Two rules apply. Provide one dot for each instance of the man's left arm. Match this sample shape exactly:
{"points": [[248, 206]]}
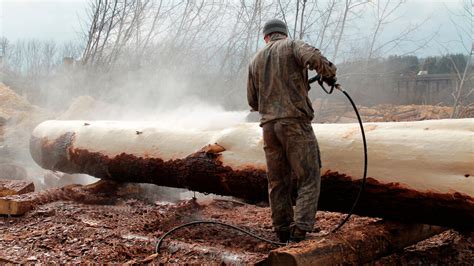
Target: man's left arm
{"points": [[252, 94]]}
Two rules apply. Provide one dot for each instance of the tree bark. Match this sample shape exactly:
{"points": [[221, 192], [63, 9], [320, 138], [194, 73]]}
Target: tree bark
{"points": [[418, 171]]}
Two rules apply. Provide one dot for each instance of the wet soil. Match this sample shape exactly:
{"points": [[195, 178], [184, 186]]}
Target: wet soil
{"points": [[66, 231]]}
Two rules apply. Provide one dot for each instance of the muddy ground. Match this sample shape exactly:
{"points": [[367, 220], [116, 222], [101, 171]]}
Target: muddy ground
{"points": [[126, 230]]}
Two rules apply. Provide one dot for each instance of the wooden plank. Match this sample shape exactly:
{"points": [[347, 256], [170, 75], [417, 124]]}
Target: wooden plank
{"points": [[15, 187], [103, 190], [15, 196], [16, 204]]}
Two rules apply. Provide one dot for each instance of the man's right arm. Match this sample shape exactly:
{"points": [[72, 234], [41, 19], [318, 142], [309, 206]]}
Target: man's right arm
{"points": [[252, 94], [308, 56]]}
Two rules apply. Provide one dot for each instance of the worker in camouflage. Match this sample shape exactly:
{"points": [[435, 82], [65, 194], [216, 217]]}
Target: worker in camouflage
{"points": [[278, 89]]}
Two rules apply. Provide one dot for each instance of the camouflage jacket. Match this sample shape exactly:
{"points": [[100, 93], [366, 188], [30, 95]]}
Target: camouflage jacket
{"points": [[277, 84]]}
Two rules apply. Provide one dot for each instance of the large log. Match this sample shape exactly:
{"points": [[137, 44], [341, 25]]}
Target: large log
{"points": [[418, 171]]}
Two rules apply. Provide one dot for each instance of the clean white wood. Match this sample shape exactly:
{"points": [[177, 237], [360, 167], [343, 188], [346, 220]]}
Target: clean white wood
{"points": [[431, 155]]}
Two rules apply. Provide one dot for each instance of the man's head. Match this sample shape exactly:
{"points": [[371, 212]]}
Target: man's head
{"points": [[274, 26]]}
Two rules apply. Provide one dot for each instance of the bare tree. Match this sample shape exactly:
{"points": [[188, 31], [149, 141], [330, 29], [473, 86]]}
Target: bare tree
{"points": [[462, 22], [297, 13], [348, 7], [383, 13], [462, 77], [4, 44]]}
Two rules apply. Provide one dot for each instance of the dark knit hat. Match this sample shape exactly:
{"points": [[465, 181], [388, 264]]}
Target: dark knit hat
{"points": [[275, 25]]}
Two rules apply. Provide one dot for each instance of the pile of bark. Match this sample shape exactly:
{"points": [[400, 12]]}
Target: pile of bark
{"points": [[105, 223], [341, 112], [18, 117]]}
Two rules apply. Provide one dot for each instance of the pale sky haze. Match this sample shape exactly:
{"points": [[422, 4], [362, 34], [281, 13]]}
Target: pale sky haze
{"points": [[60, 20]]}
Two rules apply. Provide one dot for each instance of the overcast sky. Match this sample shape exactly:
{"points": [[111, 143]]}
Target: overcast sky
{"points": [[40, 19], [60, 20]]}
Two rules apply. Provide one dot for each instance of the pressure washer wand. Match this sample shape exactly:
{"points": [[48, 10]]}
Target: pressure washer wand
{"points": [[319, 79]]}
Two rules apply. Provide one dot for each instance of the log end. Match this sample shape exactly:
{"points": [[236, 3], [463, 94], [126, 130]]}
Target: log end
{"points": [[52, 154], [281, 258]]}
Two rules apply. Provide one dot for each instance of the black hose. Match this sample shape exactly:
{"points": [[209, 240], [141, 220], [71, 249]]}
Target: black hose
{"points": [[319, 79], [364, 177], [160, 241]]}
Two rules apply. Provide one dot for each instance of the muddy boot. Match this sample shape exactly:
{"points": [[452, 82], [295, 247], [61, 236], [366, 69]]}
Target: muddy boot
{"points": [[283, 236], [297, 234]]}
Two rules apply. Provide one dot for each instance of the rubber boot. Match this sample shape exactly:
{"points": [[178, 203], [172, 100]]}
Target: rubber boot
{"points": [[283, 236], [297, 235]]}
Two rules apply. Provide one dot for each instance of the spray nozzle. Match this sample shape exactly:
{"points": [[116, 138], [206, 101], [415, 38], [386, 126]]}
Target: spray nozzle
{"points": [[329, 81]]}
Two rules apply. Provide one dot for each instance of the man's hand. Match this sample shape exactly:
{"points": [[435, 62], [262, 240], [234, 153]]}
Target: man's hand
{"points": [[330, 81], [320, 79]]}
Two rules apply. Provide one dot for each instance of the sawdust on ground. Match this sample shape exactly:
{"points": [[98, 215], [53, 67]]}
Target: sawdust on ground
{"points": [[127, 230]]}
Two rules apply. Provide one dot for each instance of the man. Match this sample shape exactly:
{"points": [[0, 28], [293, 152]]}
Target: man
{"points": [[278, 89]]}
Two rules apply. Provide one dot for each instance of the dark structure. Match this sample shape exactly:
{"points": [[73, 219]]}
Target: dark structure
{"points": [[428, 89]]}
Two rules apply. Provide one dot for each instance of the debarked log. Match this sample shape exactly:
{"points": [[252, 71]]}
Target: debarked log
{"points": [[418, 171]]}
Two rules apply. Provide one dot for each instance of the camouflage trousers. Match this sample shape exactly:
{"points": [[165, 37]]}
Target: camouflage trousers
{"points": [[291, 149]]}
